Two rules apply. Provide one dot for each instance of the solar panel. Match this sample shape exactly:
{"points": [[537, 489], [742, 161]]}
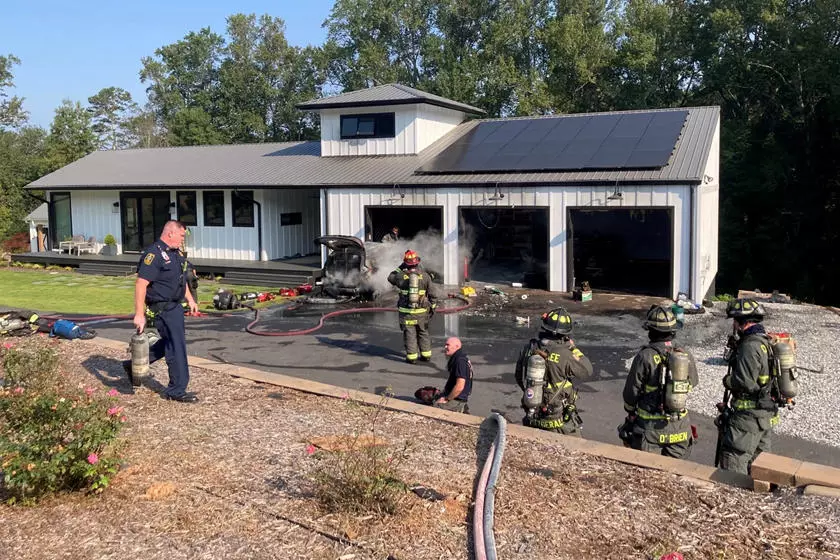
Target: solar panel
{"points": [[576, 142]]}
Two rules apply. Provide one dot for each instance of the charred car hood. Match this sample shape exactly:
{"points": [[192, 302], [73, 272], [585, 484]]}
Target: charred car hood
{"points": [[339, 242]]}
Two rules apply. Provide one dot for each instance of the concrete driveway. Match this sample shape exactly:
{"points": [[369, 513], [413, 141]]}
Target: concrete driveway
{"points": [[364, 352]]}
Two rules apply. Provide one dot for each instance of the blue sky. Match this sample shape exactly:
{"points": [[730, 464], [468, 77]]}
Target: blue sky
{"points": [[73, 49]]}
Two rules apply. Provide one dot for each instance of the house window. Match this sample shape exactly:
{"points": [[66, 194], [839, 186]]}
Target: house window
{"points": [[187, 214], [374, 125], [214, 208], [291, 219], [243, 208]]}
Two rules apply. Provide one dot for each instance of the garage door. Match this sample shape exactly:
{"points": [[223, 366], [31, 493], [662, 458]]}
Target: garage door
{"points": [[505, 245], [622, 249]]}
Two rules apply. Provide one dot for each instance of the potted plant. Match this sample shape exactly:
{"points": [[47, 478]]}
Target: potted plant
{"points": [[110, 247]]}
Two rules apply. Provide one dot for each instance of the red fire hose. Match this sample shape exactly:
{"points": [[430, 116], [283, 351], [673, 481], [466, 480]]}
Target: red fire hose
{"points": [[250, 327]]}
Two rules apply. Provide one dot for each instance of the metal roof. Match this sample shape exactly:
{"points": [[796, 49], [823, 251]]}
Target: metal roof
{"points": [[389, 94], [40, 214], [298, 164]]}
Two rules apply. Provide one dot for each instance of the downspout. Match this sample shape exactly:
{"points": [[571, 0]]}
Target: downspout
{"points": [[324, 225], [693, 241], [259, 225]]}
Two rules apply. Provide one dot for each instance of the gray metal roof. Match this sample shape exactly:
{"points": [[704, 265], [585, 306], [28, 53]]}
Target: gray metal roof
{"points": [[38, 215], [389, 94], [298, 164]]}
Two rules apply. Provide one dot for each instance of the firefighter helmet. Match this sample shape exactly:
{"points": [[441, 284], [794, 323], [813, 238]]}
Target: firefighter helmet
{"points": [[660, 318], [557, 321], [410, 258], [745, 308]]}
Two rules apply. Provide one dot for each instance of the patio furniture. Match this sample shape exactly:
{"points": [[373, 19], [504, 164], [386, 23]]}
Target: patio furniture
{"points": [[88, 246]]}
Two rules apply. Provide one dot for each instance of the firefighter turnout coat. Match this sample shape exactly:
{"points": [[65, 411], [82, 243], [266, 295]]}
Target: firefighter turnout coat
{"points": [[563, 364], [656, 429]]}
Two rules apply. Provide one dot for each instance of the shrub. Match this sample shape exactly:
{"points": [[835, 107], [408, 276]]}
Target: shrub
{"points": [[51, 438], [35, 369], [723, 297], [109, 240], [17, 243], [363, 477]]}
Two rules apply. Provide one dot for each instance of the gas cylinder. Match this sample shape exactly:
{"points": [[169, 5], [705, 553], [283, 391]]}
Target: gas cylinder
{"points": [[785, 363], [139, 348], [677, 384], [413, 289], [534, 382]]}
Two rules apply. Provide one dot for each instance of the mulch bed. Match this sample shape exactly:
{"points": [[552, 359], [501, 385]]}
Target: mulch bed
{"points": [[230, 478]]}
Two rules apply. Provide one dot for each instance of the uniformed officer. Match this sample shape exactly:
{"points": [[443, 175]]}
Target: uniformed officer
{"points": [[549, 364], [416, 305], [161, 286], [653, 423]]}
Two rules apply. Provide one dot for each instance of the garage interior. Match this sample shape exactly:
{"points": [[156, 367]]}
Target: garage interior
{"points": [[410, 219], [505, 245], [622, 249]]}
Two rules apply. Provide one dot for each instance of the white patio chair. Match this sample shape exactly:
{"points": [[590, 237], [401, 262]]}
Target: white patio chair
{"points": [[88, 246]]}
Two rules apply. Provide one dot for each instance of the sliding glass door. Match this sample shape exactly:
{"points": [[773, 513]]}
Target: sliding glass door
{"points": [[61, 223], [143, 216]]}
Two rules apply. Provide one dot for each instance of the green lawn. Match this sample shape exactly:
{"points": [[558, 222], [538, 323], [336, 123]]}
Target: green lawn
{"points": [[68, 292]]}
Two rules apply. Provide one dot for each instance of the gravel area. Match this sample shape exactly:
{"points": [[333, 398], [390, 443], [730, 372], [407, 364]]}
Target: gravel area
{"points": [[815, 330]]}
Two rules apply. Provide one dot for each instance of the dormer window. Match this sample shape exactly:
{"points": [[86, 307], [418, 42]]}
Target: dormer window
{"points": [[373, 125]]}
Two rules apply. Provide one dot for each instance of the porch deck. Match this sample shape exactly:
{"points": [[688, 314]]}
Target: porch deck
{"points": [[308, 265]]}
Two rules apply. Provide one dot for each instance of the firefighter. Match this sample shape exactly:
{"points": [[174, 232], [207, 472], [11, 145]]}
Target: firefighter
{"points": [[392, 236], [545, 371], [416, 306], [655, 393], [753, 411]]}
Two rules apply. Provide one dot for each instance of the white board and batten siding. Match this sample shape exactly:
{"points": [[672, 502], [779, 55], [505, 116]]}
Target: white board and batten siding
{"points": [[345, 216], [285, 241], [707, 222], [416, 126], [94, 214]]}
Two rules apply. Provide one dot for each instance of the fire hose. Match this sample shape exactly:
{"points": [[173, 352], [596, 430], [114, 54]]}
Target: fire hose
{"points": [[483, 538], [250, 327]]}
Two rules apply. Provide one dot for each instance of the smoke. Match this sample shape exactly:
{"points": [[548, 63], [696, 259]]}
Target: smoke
{"points": [[383, 258]]}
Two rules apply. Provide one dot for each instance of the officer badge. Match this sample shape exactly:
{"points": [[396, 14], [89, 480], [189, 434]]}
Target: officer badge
{"points": [[165, 257], [149, 258]]}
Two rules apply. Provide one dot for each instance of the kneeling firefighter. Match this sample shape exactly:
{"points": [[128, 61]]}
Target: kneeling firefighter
{"points": [[761, 378], [656, 391], [545, 370], [416, 305]]}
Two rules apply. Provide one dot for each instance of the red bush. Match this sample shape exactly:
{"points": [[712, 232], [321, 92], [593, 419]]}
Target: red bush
{"points": [[17, 243]]}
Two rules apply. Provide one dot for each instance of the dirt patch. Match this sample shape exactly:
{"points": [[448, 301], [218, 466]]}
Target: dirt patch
{"points": [[229, 478]]}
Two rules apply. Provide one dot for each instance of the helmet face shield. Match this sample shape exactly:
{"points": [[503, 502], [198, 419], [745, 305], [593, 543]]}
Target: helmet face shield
{"points": [[661, 319], [556, 321]]}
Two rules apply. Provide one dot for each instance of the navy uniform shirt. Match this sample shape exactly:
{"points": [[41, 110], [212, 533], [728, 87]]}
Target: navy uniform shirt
{"points": [[459, 367], [163, 267]]}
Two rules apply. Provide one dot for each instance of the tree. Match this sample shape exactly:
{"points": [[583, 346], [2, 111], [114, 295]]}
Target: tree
{"points": [[193, 127], [145, 129], [12, 114], [71, 136], [111, 112], [185, 75], [22, 160]]}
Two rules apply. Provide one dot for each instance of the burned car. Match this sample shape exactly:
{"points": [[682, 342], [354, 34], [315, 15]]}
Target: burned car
{"points": [[345, 273]]}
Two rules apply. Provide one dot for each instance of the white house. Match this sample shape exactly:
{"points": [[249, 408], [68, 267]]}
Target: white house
{"points": [[38, 220], [625, 200]]}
